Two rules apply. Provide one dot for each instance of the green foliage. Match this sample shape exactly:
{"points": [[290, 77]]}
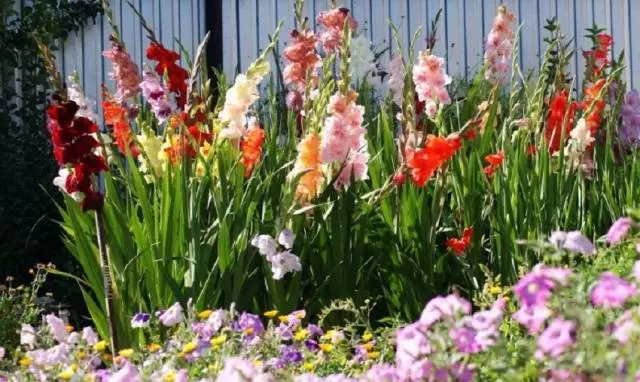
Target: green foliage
{"points": [[26, 212], [18, 306]]}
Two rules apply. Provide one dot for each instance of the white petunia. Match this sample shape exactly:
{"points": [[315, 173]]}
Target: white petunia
{"points": [[283, 263]]}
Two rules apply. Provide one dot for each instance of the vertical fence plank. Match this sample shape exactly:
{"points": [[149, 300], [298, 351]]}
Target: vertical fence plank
{"points": [[462, 30]]}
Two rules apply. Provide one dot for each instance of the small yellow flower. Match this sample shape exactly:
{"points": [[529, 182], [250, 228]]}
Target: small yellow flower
{"points": [[189, 347], [219, 340], [284, 319], [100, 346], [66, 374], [153, 347], [327, 348], [107, 357], [301, 335], [270, 313], [170, 376], [328, 334], [25, 361], [248, 331], [308, 366], [81, 354], [126, 353], [368, 346], [257, 363], [494, 290], [300, 314], [205, 314], [367, 336], [373, 355], [68, 328]]}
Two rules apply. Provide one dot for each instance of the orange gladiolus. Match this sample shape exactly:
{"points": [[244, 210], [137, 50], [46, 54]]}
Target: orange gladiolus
{"points": [[424, 162], [251, 147], [309, 162], [117, 116]]}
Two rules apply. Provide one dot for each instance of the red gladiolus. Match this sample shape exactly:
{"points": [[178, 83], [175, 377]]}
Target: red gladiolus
{"points": [[251, 147], [424, 162], [177, 76], [556, 123], [460, 245], [494, 162], [598, 57], [74, 146]]}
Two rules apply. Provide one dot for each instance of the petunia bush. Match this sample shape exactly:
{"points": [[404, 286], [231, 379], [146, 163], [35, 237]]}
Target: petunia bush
{"points": [[558, 323], [298, 187]]}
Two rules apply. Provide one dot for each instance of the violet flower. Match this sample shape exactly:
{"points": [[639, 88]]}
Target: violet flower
{"points": [[619, 229]]}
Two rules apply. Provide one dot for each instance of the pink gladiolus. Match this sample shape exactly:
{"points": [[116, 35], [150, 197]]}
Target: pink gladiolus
{"points": [[431, 81], [396, 79], [333, 21], [343, 139], [499, 47], [125, 73]]}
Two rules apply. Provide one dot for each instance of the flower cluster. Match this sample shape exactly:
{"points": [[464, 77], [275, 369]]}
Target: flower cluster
{"points": [[460, 245], [598, 57], [334, 21], [251, 147], [282, 262], [499, 46], [166, 65], [396, 78], [494, 161], [424, 162], [533, 290], [573, 241], [157, 95], [431, 81], [559, 120], [116, 116], [630, 111], [239, 99], [303, 60], [76, 148], [86, 106], [343, 139], [593, 106], [362, 59], [125, 72], [308, 166], [445, 320]]}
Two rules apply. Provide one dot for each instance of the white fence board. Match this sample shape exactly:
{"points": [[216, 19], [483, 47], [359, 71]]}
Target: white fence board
{"points": [[464, 24]]}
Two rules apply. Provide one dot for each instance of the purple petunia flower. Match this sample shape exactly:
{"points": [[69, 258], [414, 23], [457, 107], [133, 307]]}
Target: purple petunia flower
{"points": [[532, 317], [127, 373], [172, 316], [465, 340], [619, 230], [249, 324], [558, 336], [444, 307], [290, 355], [381, 373], [140, 320], [611, 291], [573, 241], [312, 345]]}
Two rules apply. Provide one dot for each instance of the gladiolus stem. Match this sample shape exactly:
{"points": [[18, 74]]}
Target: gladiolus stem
{"points": [[106, 275]]}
